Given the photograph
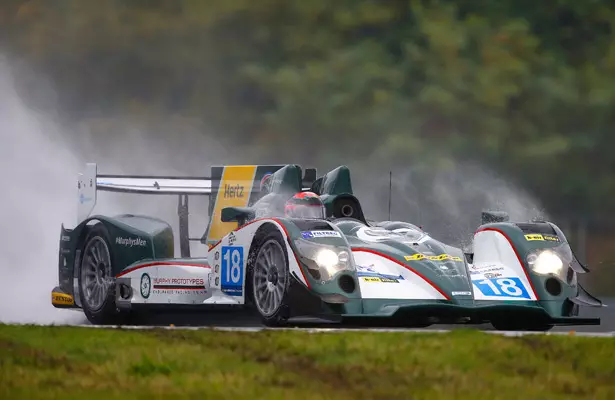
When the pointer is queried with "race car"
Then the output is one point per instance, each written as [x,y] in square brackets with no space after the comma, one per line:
[283,243]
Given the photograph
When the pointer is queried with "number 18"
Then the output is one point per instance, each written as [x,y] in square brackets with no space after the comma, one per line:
[506,285]
[233,262]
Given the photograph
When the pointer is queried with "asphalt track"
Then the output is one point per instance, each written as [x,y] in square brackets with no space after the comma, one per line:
[340,330]
[239,321]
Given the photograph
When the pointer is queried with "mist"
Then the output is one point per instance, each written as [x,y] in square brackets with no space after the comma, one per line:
[37,196]
[445,203]
[41,155]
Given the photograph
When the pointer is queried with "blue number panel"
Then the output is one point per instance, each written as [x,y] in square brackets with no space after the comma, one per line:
[231,271]
[502,287]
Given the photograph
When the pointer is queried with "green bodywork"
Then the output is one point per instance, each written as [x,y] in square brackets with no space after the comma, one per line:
[455,278]
[132,238]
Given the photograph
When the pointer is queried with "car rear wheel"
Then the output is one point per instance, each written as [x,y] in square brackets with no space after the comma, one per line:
[270,279]
[96,279]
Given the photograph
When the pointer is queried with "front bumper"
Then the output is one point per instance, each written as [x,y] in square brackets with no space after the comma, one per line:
[476,312]
[61,299]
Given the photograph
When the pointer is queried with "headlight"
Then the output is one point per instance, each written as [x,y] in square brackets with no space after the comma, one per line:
[324,261]
[546,262]
[327,258]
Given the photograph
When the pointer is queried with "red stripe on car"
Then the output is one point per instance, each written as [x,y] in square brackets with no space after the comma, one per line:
[161,264]
[405,266]
[516,253]
[287,239]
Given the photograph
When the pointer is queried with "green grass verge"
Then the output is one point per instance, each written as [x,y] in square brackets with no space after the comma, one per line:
[79,363]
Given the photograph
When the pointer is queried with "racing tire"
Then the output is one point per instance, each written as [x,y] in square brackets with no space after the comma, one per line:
[96,279]
[269,278]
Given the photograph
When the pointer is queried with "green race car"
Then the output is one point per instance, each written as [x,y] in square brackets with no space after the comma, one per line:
[284,243]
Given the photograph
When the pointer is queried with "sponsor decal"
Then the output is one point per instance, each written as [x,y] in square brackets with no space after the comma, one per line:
[231,238]
[179,286]
[146,286]
[540,237]
[217,256]
[371,272]
[533,237]
[62,299]
[441,257]
[320,234]
[233,191]
[66,238]
[130,242]
[197,283]
[378,279]
[367,269]
[461,293]
[480,272]
[491,267]
[491,275]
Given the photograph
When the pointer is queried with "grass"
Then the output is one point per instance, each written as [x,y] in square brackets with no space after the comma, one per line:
[79,363]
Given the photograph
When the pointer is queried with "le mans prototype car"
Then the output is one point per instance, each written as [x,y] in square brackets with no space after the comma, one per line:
[340,267]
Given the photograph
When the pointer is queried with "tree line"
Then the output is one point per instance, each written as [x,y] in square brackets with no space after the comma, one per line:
[524,87]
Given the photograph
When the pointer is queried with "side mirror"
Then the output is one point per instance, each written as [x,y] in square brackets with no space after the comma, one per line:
[488,217]
[236,214]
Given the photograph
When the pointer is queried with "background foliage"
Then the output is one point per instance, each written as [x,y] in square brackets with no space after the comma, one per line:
[523,87]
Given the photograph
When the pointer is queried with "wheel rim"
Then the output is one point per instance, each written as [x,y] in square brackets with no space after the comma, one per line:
[96,272]
[270,277]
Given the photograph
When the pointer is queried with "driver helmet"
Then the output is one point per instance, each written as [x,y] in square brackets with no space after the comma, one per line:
[305,205]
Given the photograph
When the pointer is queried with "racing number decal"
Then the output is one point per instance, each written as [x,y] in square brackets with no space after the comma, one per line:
[502,287]
[231,280]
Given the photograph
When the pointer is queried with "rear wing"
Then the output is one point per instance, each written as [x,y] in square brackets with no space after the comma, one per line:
[234,185]
[90,182]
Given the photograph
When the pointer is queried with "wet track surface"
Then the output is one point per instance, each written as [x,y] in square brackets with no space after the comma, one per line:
[606,315]
[225,319]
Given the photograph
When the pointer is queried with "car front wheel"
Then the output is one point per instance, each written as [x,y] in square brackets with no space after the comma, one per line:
[270,279]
